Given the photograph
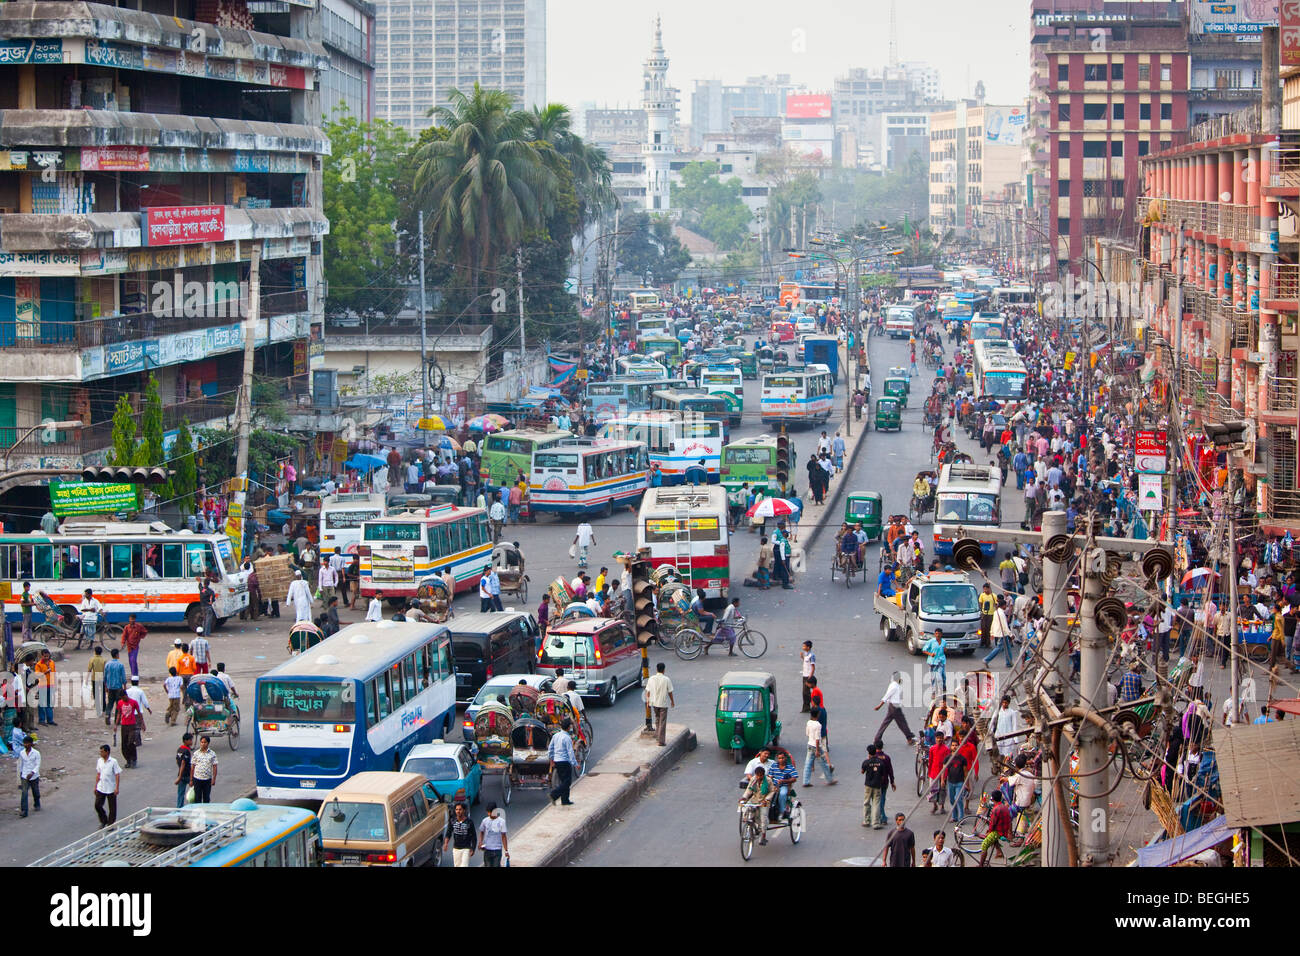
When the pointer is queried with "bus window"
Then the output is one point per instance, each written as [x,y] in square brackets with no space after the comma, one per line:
[372,702]
[444,660]
[477,535]
[444,539]
[92,565]
[295,849]
[196,559]
[173,564]
[8,562]
[271,856]
[382,697]
[44,561]
[395,685]
[121,563]
[426,665]
[410,677]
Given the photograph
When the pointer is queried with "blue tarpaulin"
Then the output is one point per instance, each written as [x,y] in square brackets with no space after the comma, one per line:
[1169,852]
[364,463]
[561,370]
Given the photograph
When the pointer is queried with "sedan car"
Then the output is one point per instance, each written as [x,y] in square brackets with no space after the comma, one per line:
[805,323]
[497,691]
[448,768]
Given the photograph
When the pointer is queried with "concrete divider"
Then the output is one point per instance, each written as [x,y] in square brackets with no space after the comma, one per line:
[557,835]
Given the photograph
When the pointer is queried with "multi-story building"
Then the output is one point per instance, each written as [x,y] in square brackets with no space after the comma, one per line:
[426,48]
[614,126]
[716,105]
[975,154]
[861,95]
[348,32]
[903,134]
[1110,82]
[143,158]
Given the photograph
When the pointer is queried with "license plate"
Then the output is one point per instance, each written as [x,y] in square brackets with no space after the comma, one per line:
[462,678]
[309,783]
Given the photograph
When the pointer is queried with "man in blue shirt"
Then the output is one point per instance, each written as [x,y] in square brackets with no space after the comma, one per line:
[934,649]
[1130,685]
[782,774]
[494,587]
[885,582]
[114,683]
[563,761]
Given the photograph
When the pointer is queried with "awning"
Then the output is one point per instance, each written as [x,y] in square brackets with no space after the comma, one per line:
[1169,852]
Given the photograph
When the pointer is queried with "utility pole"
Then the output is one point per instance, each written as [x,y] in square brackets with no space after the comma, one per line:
[245,417]
[1230,509]
[424,343]
[1094,782]
[1055,577]
[519,272]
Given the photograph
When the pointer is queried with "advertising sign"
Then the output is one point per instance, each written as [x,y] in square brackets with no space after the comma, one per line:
[1234,16]
[1004,127]
[175,225]
[808,106]
[91,498]
[115,159]
[1289,15]
[1150,493]
[1150,450]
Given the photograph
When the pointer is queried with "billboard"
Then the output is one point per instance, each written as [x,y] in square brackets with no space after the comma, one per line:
[91,498]
[1004,126]
[1151,450]
[172,225]
[1233,17]
[808,106]
[1290,16]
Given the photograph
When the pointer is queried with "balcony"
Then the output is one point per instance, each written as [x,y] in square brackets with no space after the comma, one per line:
[1285,176]
[1284,283]
[1245,330]
[1284,503]
[1282,396]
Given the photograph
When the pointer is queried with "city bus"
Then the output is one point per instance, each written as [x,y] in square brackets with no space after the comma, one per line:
[1015,295]
[668,344]
[242,833]
[638,366]
[998,371]
[753,461]
[791,397]
[686,527]
[969,496]
[619,397]
[508,454]
[723,408]
[145,569]
[986,325]
[358,700]
[589,475]
[723,378]
[677,441]
[900,321]
[642,299]
[398,551]
[341,516]
[653,324]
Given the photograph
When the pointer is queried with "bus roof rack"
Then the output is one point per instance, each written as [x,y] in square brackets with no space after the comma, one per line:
[969,470]
[92,526]
[125,843]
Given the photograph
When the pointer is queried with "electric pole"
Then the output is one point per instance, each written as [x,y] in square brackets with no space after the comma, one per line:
[1094,782]
[519,268]
[424,344]
[245,416]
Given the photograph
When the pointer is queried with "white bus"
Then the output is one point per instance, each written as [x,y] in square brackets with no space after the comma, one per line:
[792,397]
[986,325]
[148,570]
[1017,295]
[997,371]
[637,366]
[585,475]
[677,442]
[341,516]
[653,324]
[619,397]
[723,378]
[359,700]
[399,551]
[969,496]
[900,321]
[687,528]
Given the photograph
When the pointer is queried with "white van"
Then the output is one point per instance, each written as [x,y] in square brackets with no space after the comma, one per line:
[341,516]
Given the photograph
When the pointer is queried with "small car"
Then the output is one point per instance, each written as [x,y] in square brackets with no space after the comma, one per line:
[448,767]
[497,691]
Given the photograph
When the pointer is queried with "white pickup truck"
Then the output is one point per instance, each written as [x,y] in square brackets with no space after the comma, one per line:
[938,599]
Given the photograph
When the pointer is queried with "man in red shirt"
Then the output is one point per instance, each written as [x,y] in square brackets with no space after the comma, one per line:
[132,635]
[126,716]
[999,828]
[938,757]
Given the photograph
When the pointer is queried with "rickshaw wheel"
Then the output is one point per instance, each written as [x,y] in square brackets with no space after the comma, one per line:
[753,643]
[523,589]
[505,787]
[232,732]
[688,644]
[51,635]
[746,837]
[797,822]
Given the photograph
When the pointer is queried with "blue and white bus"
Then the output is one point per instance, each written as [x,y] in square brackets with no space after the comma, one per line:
[678,442]
[968,496]
[793,398]
[586,475]
[638,366]
[618,397]
[998,371]
[359,700]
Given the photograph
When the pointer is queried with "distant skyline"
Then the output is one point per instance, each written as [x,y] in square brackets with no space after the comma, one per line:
[595,50]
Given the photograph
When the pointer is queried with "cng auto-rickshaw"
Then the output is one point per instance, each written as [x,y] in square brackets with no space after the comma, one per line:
[746,712]
[748,365]
[898,371]
[766,359]
[889,414]
[865,507]
[897,388]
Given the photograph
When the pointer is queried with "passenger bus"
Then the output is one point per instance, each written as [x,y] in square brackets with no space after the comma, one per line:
[1014,295]
[791,397]
[399,550]
[677,441]
[726,409]
[147,570]
[653,324]
[619,397]
[754,461]
[359,700]
[669,345]
[341,516]
[586,475]
[986,325]
[643,299]
[969,496]
[507,454]
[686,527]
[723,378]
[900,321]
[638,366]
[998,371]
[242,833]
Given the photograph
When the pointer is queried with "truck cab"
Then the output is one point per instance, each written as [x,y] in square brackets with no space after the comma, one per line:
[939,599]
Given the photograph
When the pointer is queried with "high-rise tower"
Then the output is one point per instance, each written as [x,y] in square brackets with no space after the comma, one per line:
[660,107]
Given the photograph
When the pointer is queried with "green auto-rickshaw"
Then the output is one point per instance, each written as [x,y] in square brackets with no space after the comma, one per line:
[766,359]
[889,414]
[865,507]
[748,365]
[898,371]
[897,388]
[746,714]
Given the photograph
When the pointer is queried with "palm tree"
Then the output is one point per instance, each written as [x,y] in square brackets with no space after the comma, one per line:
[587,165]
[484,183]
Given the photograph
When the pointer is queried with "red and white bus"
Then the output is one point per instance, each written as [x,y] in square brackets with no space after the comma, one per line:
[686,526]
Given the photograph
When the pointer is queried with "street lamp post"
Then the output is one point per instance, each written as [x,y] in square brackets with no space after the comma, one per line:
[57,426]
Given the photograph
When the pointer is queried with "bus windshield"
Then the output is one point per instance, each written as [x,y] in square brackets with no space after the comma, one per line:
[550,459]
[1004,384]
[959,506]
[393,531]
[300,700]
[948,599]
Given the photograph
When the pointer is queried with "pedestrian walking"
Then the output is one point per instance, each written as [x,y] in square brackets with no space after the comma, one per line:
[137,694]
[173,685]
[873,782]
[29,775]
[203,770]
[900,845]
[375,609]
[108,783]
[563,760]
[132,635]
[894,700]
[1000,632]
[658,695]
[299,598]
[184,763]
[816,752]
[484,592]
[460,837]
[114,684]
[808,664]
[201,651]
[45,671]
[95,668]
[126,719]
[25,605]
[956,771]
[492,837]
[936,650]
[584,537]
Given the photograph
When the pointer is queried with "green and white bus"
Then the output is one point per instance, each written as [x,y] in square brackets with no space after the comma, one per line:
[753,460]
[507,454]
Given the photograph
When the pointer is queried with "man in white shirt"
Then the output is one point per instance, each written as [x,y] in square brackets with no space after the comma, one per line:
[29,775]
[328,579]
[137,694]
[894,699]
[299,598]
[496,518]
[658,695]
[584,538]
[108,781]
[762,759]
[941,855]
[375,609]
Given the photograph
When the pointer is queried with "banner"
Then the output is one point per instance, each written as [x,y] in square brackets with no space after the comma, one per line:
[91,498]
[1151,450]
[561,371]
[173,225]
[1289,11]
[1151,493]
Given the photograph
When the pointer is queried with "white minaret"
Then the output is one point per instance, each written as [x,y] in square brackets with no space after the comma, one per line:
[660,110]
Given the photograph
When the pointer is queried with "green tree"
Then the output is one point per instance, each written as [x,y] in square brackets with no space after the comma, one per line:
[712,206]
[364,183]
[219,448]
[125,442]
[648,247]
[151,432]
[185,482]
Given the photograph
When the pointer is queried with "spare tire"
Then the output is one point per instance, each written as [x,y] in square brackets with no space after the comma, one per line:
[171,831]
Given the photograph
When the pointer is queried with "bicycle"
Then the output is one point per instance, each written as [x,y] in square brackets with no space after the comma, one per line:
[754,823]
[690,643]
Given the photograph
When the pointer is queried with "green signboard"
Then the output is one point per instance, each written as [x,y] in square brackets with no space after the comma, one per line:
[91,498]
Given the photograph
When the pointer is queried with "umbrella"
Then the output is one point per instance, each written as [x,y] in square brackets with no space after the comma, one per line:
[432,423]
[487,423]
[772,508]
[363,462]
[448,443]
[1195,576]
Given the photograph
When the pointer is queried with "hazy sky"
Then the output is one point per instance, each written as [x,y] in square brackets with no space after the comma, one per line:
[595,48]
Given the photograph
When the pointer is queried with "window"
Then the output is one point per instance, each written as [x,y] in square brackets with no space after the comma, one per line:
[1144,147]
[1063,112]
[1094,111]
[196,559]
[122,560]
[1094,148]
[1063,149]
[1117,187]
[395,685]
[44,562]
[1117,71]
[1227,79]
[173,564]
[1117,111]
[1166,111]
[1093,72]
[1144,111]
[1062,73]
[1063,226]
[1144,72]
[1165,72]
[1117,147]
[383,698]
[91,563]
[410,678]
[405,815]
